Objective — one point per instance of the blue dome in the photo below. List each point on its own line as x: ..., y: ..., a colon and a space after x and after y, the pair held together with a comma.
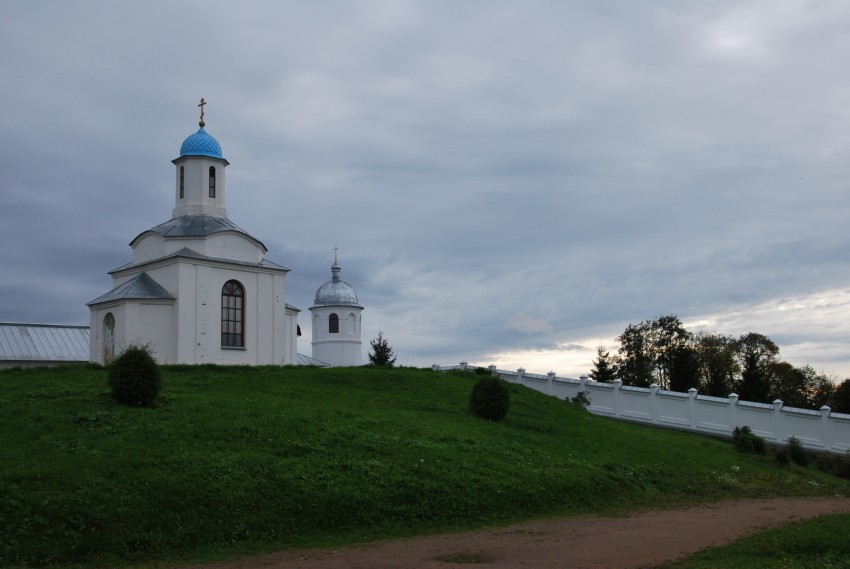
x: 201, y: 144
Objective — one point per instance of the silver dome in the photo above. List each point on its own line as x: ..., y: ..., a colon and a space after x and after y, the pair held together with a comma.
x: 336, y: 291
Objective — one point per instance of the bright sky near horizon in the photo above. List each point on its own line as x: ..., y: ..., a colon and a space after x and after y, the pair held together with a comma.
x: 508, y: 182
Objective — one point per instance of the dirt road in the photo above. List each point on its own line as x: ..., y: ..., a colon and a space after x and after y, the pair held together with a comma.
x: 642, y: 540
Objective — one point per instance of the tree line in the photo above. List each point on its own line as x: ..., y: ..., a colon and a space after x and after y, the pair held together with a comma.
x: 662, y: 351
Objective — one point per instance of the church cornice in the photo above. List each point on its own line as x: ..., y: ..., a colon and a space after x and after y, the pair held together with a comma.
x: 181, y: 159
x: 188, y: 255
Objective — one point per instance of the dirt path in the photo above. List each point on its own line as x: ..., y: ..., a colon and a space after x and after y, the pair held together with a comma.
x: 642, y: 540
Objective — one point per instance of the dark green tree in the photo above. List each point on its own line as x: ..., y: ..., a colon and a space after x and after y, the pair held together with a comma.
x: 646, y: 350
x: 718, y: 361
x: 822, y: 390
x: 603, y: 367
x: 757, y: 355
x: 668, y: 341
x: 382, y: 353
x: 788, y: 384
x: 840, y: 401
x: 801, y: 387
x: 635, y: 362
x: 684, y: 368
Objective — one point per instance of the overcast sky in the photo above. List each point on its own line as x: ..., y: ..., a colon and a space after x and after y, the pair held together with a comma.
x: 508, y: 182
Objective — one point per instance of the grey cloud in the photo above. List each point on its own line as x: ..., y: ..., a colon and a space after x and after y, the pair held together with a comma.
x: 585, y: 165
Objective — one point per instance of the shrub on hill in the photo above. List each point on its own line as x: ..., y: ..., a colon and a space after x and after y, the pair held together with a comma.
x: 796, y: 453
x: 582, y: 399
x: 134, y: 377
x: 490, y: 399
x: 745, y: 440
x: 835, y: 464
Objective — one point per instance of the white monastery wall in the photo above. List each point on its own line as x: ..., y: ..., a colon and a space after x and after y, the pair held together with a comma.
x: 820, y: 430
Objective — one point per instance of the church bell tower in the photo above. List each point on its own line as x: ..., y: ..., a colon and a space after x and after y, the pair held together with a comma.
x: 336, y: 321
x: 200, y: 175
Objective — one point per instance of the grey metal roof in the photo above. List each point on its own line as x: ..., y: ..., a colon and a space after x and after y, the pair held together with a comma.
x: 43, y: 342
x: 140, y: 287
x: 188, y: 253
x: 308, y: 361
x: 336, y: 291
x: 196, y: 225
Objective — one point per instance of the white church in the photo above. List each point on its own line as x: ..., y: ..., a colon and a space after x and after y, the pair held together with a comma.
x: 199, y: 289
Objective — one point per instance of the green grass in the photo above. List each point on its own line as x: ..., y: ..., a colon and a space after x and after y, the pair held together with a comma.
x: 816, y: 544
x: 236, y: 460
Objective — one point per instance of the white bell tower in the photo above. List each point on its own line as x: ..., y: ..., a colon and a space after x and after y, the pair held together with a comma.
x: 200, y: 175
x: 336, y: 321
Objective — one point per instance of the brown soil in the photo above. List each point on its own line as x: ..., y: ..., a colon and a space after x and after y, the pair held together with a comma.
x: 641, y: 540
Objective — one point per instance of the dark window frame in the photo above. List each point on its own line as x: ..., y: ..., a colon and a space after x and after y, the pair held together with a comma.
x: 333, y: 324
x: 182, y: 183
x: 233, y: 315
x: 212, y: 181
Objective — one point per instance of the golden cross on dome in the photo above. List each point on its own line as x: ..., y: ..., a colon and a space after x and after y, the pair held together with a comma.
x: 201, y: 104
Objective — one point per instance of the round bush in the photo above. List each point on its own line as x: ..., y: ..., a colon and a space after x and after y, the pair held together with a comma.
x: 134, y: 377
x: 490, y: 399
x: 796, y: 452
x: 746, y: 441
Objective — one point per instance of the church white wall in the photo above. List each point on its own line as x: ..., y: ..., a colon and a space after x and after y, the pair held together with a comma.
x: 290, y: 334
x: 233, y: 246
x: 96, y: 331
x: 199, y: 316
x: 342, y: 348
x: 188, y: 331
x: 153, y: 329
x: 141, y: 323
x: 148, y: 248
x: 196, y: 197
x: 338, y: 352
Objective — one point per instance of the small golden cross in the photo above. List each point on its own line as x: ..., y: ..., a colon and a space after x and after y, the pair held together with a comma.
x: 201, y: 104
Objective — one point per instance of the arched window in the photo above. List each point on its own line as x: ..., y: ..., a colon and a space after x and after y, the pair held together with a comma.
x: 333, y: 324
x: 212, y: 182
x: 182, y: 182
x: 108, y: 338
x: 232, y: 315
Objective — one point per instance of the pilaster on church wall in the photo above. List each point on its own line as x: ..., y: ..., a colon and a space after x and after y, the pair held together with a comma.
x: 281, y: 322
x: 204, y: 348
x: 290, y: 337
x: 264, y: 332
x: 185, y: 314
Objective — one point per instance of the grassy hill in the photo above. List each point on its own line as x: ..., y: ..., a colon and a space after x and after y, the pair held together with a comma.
x: 249, y: 459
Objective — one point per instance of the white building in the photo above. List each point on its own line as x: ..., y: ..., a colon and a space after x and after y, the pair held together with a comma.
x: 336, y: 322
x: 199, y: 288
